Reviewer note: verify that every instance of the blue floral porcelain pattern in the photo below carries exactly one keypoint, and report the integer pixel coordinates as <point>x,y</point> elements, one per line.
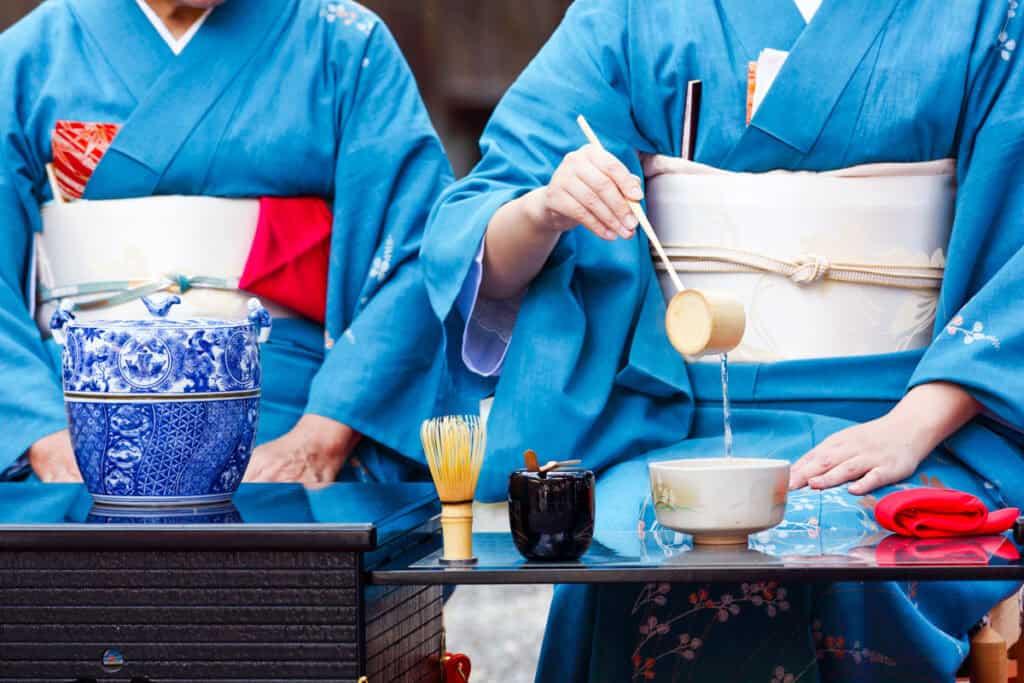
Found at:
<point>191,357</point>
<point>172,452</point>
<point>207,514</point>
<point>162,412</point>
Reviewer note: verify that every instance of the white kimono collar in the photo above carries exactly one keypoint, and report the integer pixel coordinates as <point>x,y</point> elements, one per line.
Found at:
<point>177,45</point>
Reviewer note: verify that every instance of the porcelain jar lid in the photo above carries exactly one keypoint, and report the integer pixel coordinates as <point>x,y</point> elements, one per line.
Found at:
<point>159,355</point>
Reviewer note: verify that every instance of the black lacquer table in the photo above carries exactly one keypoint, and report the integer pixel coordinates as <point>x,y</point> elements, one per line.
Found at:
<point>628,558</point>
<point>271,588</point>
<point>335,584</point>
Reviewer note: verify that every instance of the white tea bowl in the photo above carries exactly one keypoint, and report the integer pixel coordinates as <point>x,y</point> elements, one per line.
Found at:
<point>720,501</point>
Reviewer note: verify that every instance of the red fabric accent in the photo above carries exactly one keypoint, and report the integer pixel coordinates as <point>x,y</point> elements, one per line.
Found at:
<point>900,550</point>
<point>290,255</point>
<point>77,150</point>
<point>937,513</point>
<point>456,668</point>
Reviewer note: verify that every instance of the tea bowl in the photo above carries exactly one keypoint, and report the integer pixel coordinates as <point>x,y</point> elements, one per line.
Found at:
<point>719,501</point>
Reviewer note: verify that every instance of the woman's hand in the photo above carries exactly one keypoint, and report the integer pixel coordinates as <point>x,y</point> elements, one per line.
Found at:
<point>590,188</point>
<point>872,455</point>
<point>53,459</point>
<point>313,452</point>
<point>890,449</point>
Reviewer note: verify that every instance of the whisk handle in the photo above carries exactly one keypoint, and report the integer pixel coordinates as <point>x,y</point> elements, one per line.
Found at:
<point>457,530</point>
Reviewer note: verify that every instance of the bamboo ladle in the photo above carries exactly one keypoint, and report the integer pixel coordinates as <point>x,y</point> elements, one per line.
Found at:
<point>697,322</point>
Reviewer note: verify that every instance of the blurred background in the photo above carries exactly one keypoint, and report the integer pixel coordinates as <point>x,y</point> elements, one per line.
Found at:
<point>465,54</point>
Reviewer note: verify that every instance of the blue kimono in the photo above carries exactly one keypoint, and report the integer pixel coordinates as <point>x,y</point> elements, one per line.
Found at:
<point>292,98</point>
<point>589,372</point>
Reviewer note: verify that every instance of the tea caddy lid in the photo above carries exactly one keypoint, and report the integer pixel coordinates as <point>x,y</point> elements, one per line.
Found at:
<point>64,319</point>
<point>160,356</point>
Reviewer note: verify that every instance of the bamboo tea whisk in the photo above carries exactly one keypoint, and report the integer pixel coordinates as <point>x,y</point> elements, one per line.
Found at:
<point>697,322</point>
<point>455,451</point>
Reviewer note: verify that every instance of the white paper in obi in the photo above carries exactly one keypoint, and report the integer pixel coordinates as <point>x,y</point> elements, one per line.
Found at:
<point>885,214</point>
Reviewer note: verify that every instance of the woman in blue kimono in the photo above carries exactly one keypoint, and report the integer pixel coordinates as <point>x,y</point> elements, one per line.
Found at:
<point>290,98</point>
<point>570,320</point>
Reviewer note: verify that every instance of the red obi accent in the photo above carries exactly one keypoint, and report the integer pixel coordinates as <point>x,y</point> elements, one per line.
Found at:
<point>895,551</point>
<point>456,668</point>
<point>936,513</point>
<point>77,150</point>
<point>290,254</point>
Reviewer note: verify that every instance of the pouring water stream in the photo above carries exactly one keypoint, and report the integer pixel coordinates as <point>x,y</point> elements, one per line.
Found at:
<point>726,415</point>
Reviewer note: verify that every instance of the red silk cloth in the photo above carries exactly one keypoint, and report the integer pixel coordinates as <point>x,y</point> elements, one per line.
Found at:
<point>938,513</point>
<point>895,551</point>
<point>290,255</point>
<point>77,150</point>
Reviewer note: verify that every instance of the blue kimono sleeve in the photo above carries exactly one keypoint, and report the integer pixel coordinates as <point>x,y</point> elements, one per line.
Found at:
<point>979,336</point>
<point>31,403</point>
<point>589,371</point>
<point>489,323</point>
<point>981,347</point>
<point>582,69</point>
<point>386,371</point>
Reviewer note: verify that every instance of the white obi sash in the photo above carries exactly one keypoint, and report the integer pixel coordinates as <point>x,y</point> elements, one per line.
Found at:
<point>101,256</point>
<point>844,263</point>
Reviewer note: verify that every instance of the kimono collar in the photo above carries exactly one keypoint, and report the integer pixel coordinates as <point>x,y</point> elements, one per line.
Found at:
<point>124,35</point>
<point>823,58</point>
<point>178,96</point>
<point>766,23</point>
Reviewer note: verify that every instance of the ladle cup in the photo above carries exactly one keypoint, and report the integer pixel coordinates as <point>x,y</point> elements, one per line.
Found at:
<point>697,322</point>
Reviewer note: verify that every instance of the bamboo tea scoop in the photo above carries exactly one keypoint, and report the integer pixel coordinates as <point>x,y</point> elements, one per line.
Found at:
<point>697,322</point>
<point>557,465</point>
<point>533,464</point>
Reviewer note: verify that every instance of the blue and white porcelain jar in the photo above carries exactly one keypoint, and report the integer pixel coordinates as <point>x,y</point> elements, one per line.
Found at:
<point>162,412</point>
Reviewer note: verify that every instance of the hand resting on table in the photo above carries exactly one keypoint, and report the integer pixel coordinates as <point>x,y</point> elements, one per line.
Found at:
<point>890,449</point>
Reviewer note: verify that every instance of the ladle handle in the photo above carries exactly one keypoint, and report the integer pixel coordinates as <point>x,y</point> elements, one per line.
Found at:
<point>638,211</point>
